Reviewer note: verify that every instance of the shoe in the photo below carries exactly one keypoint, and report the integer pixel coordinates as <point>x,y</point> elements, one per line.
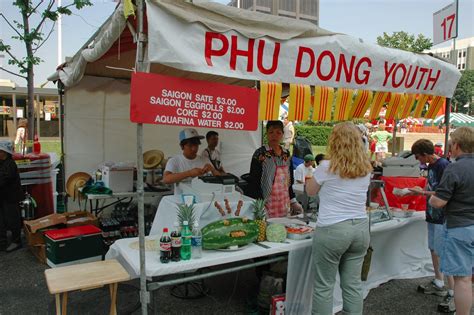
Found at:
<point>432,288</point>
<point>13,247</point>
<point>447,306</point>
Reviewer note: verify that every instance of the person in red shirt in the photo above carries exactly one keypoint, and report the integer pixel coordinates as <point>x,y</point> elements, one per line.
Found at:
<point>438,149</point>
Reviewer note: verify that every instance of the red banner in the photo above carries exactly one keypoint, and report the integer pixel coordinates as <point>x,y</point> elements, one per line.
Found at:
<point>159,99</point>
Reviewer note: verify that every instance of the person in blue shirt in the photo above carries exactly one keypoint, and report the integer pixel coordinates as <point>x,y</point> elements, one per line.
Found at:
<point>424,151</point>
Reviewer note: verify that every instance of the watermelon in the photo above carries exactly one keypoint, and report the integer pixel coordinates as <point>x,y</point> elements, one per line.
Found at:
<point>229,232</point>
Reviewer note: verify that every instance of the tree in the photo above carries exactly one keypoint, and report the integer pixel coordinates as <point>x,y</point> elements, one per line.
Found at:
<point>405,41</point>
<point>33,37</point>
<point>464,92</point>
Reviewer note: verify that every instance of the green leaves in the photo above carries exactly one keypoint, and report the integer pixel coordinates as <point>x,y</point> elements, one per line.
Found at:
<point>464,92</point>
<point>403,40</point>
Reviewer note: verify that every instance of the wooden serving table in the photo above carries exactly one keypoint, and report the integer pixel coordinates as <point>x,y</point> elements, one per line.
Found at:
<point>85,277</point>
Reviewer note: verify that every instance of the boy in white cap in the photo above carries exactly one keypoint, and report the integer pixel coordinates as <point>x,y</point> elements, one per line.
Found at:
<point>188,164</point>
<point>10,196</point>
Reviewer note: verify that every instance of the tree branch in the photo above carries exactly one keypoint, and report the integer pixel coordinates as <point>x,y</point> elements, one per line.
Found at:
<point>44,41</point>
<point>50,5</point>
<point>8,22</point>
<point>34,9</point>
<point>18,75</point>
<point>14,58</point>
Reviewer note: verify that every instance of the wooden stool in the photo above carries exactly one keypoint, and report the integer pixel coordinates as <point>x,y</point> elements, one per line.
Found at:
<point>85,277</point>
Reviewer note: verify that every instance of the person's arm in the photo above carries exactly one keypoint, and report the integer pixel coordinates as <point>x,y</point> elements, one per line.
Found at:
<point>312,187</point>
<point>255,190</point>
<point>171,178</point>
<point>7,172</point>
<point>437,202</point>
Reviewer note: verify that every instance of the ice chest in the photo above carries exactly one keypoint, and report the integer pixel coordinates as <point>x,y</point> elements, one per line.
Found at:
<point>73,244</point>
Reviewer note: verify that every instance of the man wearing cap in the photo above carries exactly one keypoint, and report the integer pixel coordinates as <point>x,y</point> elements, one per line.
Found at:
<point>305,170</point>
<point>188,164</point>
<point>10,196</point>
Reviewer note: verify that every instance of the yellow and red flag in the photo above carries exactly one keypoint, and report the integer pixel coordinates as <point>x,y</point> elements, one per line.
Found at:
<point>421,101</point>
<point>343,103</point>
<point>322,106</point>
<point>435,106</point>
<point>361,103</point>
<point>407,105</point>
<point>377,103</point>
<point>394,105</point>
<point>270,98</point>
<point>299,102</point>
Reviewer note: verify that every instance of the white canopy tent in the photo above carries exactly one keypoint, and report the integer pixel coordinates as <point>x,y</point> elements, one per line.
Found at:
<point>213,42</point>
<point>455,118</point>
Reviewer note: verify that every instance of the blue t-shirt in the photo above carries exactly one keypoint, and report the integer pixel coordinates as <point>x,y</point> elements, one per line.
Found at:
<point>435,172</point>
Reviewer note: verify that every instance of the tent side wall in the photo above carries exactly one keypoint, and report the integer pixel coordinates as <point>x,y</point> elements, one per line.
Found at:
<point>98,129</point>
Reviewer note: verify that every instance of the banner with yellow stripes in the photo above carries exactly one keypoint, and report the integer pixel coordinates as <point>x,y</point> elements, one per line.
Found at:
<point>435,106</point>
<point>421,101</point>
<point>343,104</point>
<point>323,99</point>
<point>270,98</point>
<point>407,105</point>
<point>394,105</point>
<point>299,102</point>
<point>361,104</point>
<point>377,103</point>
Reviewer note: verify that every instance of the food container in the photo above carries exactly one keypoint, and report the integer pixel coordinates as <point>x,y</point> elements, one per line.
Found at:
<point>298,231</point>
<point>399,213</point>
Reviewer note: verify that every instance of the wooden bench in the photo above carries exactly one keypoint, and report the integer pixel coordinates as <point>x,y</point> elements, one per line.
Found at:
<point>85,277</point>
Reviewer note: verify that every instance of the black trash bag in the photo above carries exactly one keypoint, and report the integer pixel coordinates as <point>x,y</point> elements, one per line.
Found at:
<point>301,147</point>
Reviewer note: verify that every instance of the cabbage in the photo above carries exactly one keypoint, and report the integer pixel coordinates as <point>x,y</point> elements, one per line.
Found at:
<point>276,232</point>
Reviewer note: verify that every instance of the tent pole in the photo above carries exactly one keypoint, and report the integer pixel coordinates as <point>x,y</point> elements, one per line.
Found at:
<point>446,121</point>
<point>394,136</point>
<point>144,295</point>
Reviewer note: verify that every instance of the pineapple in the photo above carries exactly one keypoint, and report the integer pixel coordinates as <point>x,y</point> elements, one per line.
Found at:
<point>186,213</point>
<point>260,215</point>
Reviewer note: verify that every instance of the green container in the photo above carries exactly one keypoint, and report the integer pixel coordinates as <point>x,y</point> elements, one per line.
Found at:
<point>74,243</point>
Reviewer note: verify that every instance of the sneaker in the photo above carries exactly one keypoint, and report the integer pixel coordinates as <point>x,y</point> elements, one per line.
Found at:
<point>447,306</point>
<point>432,288</point>
<point>12,247</point>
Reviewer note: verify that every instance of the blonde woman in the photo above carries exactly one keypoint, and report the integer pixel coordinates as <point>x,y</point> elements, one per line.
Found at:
<point>342,233</point>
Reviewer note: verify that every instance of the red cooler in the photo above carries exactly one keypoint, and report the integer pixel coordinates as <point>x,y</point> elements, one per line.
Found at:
<point>35,175</point>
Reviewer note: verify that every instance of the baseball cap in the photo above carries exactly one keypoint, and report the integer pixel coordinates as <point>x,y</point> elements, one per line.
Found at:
<point>189,133</point>
<point>439,144</point>
<point>308,157</point>
<point>6,146</point>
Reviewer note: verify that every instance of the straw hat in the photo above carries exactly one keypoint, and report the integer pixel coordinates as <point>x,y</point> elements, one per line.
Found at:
<point>76,181</point>
<point>152,158</point>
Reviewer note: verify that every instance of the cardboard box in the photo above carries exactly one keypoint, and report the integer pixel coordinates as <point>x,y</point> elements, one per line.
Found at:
<point>39,251</point>
<point>117,178</point>
<point>34,229</point>
<point>79,218</point>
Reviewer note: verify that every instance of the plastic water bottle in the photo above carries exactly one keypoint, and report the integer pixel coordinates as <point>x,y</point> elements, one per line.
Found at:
<point>186,236</point>
<point>196,242</point>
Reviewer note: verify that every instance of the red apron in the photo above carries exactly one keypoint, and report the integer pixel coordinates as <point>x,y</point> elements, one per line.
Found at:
<point>279,200</point>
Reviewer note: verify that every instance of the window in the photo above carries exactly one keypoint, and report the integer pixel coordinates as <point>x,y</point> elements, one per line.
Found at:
<point>459,67</point>
<point>459,54</point>
<point>464,53</point>
<point>463,66</point>
<point>448,56</point>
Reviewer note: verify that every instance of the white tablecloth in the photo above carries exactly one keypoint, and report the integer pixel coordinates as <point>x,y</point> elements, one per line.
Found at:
<point>400,252</point>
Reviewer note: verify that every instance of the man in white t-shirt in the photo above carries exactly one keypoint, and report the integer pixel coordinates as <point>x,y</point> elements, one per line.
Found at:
<point>305,170</point>
<point>288,133</point>
<point>189,164</point>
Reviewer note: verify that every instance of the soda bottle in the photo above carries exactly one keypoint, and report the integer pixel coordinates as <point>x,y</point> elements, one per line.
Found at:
<point>196,241</point>
<point>165,247</point>
<point>186,242</point>
<point>176,243</point>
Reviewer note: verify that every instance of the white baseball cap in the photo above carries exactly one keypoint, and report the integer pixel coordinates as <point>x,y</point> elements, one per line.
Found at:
<point>6,146</point>
<point>189,133</point>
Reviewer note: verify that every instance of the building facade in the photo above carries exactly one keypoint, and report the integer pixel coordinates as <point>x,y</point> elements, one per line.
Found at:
<point>307,10</point>
<point>462,57</point>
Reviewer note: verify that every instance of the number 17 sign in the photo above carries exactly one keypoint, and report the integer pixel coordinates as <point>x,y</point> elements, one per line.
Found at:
<point>445,23</point>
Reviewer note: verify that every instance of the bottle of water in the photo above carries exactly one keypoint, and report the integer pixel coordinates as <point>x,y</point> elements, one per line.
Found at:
<point>186,236</point>
<point>196,241</point>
